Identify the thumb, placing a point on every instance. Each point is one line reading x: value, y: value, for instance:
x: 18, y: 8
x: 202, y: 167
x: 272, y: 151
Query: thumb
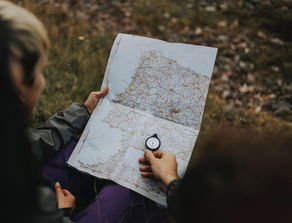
x: 102, y: 92
x: 58, y: 187
x: 149, y: 156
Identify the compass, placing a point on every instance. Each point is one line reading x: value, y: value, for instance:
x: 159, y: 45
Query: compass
x: 153, y: 142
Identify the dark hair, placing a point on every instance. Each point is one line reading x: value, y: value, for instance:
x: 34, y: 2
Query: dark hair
x: 18, y: 184
x: 28, y: 63
x: 239, y: 177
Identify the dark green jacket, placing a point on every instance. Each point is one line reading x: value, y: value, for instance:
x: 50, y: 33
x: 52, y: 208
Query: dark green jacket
x: 58, y: 131
x: 46, y: 141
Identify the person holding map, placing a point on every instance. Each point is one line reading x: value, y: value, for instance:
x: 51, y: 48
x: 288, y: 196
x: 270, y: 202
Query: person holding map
x: 39, y: 160
x: 239, y: 177
x: 18, y: 179
x: 24, y: 50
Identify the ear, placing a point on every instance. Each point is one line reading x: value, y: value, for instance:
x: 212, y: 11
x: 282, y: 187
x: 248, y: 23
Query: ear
x: 17, y: 75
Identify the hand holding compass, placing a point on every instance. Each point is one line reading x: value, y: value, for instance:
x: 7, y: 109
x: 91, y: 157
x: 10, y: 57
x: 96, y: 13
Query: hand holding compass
x: 163, y: 167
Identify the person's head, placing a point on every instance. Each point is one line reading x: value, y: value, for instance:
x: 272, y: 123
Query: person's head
x: 239, y: 177
x: 28, y: 48
x: 23, y: 42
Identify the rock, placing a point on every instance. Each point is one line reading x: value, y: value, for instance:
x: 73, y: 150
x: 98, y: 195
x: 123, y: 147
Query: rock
x: 198, y: 31
x: 210, y: 9
x: 246, y: 89
x: 223, y: 38
x: 243, y: 89
x: 222, y: 23
x: 258, y: 109
x: 190, y: 5
x: 224, y: 77
x: 261, y: 35
x: 246, y: 66
x: 166, y: 15
x: 277, y: 42
x: 279, y: 82
x: 223, y: 6
x: 225, y: 94
x: 250, y: 77
x: 275, y: 68
x: 161, y: 28
x: 246, y: 50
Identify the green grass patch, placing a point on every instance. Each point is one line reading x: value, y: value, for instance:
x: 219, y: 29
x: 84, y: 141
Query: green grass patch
x: 79, y: 53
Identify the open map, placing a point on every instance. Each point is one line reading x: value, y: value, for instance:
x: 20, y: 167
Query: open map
x: 156, y: 87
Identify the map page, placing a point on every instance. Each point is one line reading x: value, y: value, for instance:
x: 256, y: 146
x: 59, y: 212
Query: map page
x: 155, y: 87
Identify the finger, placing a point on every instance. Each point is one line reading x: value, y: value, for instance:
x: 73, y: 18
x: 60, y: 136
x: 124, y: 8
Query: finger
x: 149, y: 156
x: 66, y: 192
x: 143, y: 160
x: 58, y: 189
x: 102, y: 92
x: 145, y: 169
x: 147, y: 175
x: 58, y: 186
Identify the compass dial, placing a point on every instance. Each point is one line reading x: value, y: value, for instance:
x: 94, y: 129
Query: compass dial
x: 153, y: 142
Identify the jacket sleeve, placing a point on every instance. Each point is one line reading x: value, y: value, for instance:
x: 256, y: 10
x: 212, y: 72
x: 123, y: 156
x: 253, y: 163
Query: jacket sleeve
x: 171, y: 196
x: 58, y: 131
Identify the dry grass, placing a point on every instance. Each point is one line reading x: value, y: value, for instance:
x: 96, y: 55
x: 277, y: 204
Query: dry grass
x: 77, y: 60
x: 79, y: 54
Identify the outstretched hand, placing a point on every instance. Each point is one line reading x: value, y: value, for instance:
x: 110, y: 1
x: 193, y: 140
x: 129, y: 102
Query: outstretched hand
x: 160, y: 165
x: 64, y: 198
x: 93, y: 99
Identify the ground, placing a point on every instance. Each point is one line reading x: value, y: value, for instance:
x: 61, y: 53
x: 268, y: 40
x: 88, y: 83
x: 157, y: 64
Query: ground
x: 252, y: 82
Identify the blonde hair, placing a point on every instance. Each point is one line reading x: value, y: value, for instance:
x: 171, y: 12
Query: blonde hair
x: 28, y: 38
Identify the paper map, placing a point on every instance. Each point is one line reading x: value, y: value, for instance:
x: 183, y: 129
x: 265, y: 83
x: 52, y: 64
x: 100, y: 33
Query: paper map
x: 156, y: 87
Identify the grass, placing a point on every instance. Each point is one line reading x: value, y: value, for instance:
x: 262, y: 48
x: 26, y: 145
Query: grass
x: 79, y: 54
x: 77, y: 60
